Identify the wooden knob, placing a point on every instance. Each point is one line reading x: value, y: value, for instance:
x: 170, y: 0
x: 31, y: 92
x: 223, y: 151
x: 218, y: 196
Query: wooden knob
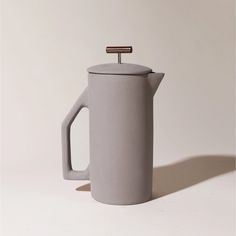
x: 119, y: 49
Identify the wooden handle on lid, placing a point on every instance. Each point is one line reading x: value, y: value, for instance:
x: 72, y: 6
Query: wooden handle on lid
x: 119, y: 50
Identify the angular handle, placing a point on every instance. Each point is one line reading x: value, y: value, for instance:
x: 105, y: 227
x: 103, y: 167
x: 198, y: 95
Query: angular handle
x: 68, y: 172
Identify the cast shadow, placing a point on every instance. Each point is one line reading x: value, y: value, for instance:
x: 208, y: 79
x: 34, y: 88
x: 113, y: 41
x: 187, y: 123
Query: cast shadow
x: 84, y: 188
x: 188, y: 172
x: 185, y: 173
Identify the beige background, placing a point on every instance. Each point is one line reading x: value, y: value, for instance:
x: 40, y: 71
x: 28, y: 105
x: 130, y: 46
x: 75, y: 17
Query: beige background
x: 47, y: 47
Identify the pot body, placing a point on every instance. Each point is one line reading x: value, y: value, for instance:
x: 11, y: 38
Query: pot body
x: 121, y: 138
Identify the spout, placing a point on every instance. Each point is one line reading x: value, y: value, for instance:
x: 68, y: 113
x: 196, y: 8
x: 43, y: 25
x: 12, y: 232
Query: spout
x: 154, y: 80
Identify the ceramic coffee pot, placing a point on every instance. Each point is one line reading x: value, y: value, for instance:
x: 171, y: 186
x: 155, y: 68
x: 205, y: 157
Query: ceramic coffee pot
x: 119, y: 97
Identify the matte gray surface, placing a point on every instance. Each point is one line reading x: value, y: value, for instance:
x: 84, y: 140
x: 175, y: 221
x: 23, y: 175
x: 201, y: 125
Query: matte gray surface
x: 119, y: 69
x: 121, y: 137
x: 68, y: 172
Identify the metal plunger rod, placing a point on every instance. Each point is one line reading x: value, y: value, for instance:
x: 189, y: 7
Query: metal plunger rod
x: 119, y: 50
x: 119, y: 58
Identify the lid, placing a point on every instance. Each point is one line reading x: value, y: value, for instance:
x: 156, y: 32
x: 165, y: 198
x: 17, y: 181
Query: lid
x: 119, y: 68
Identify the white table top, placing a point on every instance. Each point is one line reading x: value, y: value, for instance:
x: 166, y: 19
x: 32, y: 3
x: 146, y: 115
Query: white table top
x: 195, y: 200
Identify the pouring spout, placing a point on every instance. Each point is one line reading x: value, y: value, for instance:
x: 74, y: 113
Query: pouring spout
x: 154, y: 80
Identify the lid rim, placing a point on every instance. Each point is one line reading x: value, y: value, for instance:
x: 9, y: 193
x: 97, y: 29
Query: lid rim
x: 118, y: 74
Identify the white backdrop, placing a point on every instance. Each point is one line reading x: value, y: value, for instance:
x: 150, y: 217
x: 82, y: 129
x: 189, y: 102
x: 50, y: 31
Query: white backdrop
x: 49, y: 44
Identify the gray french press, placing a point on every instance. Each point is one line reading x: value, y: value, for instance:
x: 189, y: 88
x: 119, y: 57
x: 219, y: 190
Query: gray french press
x: 119, y: 97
